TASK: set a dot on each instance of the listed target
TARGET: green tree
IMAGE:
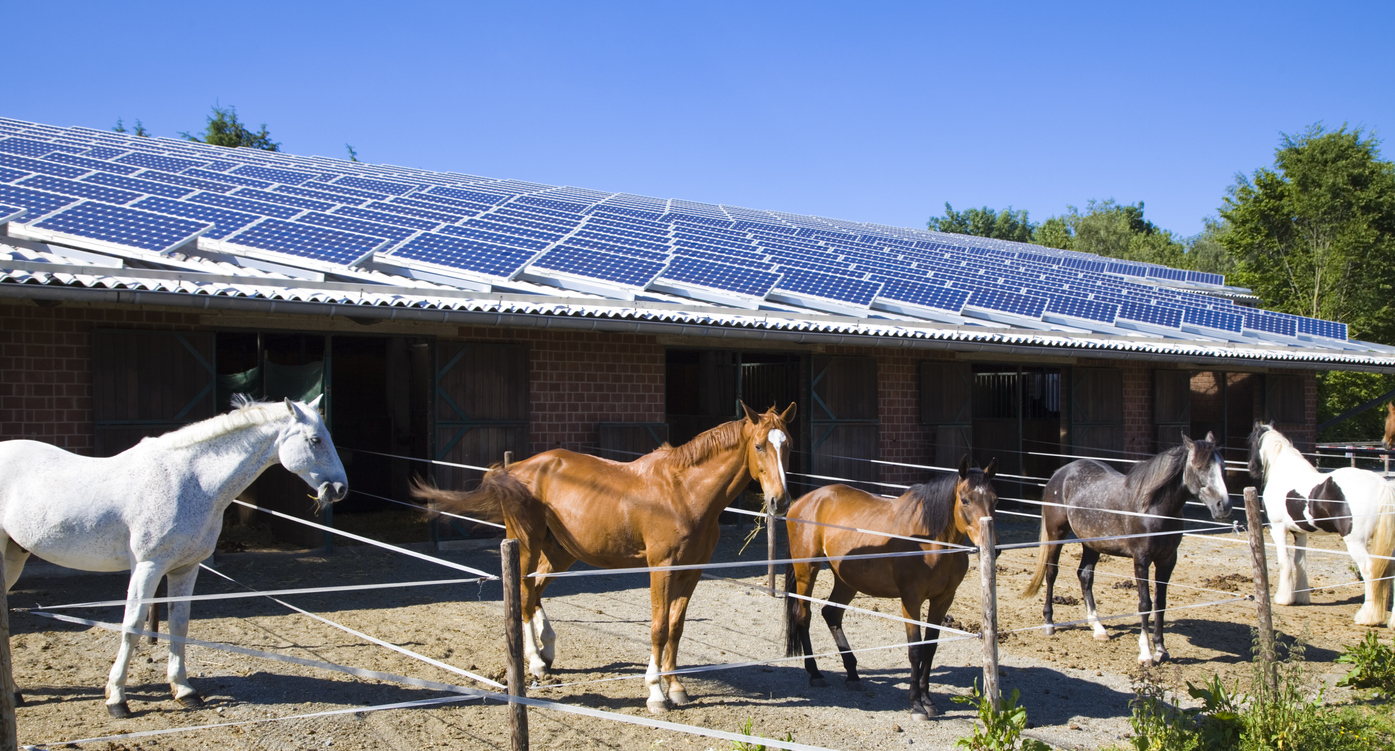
(1114, 230)
(224, 129)
(1053, 233)
(1315, 233)
(985, 222)
(137, 130)
(1206, 252)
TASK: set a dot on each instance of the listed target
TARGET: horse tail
(793, 646)
(485, 503)
(1043, 551)
(1382, 542)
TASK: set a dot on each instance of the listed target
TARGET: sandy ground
(1076, 689)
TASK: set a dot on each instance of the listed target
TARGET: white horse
(155, 509)
(1356, 504)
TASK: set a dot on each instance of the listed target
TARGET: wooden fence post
(9, 732)
(770, 545)
(988, 577)
(1254, 520)
(513, 633)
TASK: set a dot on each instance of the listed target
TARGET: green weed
(1372, 666)
(998, 728)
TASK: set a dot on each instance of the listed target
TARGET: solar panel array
(159, 195)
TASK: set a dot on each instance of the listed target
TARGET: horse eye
(759, 447)
(314, 439)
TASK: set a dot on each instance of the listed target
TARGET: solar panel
(378, 186)
(725, 258)
(268, 174)
(1159, 272)
(1205, 278)
(628, 239)
(924, 295)
(827, 286)
(103, 152)
(620, 249)
(219, 177)
(1090, 310)
(10, 175)
(260, 208)
(722, 276)
(90, 164)
(435, 217)
(159, 162)
(1213, 319)
(285, 200)
(11, 213)
(292, 190)
(457, 210)
(139, 186)
(306, 241)
(359, 226)
(386, 217)
(627, 223)
(1005, 301)
(1325, 329)
(79, 189)
(464, 254)
(476, 233)
(596, 264)
(186, 181)
(1260, 320)
(26, 146)
(1151, 314)
(39, 166)
(36, 202)
(351, 192)
(122, 225)
(452, 204)
(224, 222)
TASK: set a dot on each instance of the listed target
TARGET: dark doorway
(1017, 421)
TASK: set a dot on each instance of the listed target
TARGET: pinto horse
(941, 511)
(156, 509)
(658, 510)
(1144, 507)
(1355, 504)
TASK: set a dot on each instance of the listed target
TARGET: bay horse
(942, 511)
(1355, 504)
(1081, 498)
(658, 510)
(155, 509)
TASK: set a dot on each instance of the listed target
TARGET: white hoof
(1050, 630)
(537, 667)
(656, 707)
(1160, 657)
(678, 697)
(1101, 635)
(1368, 616)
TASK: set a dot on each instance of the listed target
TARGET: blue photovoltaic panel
(426, 215)
(380, 186)
(575, 208)
(1260, 320)
(1212, 318)
(244, 205)
(10, 213)
(475, 233)
(725, 258)
(103, 152)
(393, 217)
(36, 202)
(1006, 301)
(359, 226)
(81, 190)
(1129, 269)
(224, 222)
(27, 147)
(446, 204)
(454, 208)
(343, 191)
(305, 241)
(159, 162)
(140, 186)
(711, 238)
(186, 181)
(624, 250)
(269, 197)
(123, 225)
(1314, 327)
(272, 175)
(220, 166)
(39, 166)
(1090, 310)
(1158, 272)
(92, 164)
(1147, 313)
(924, 295)
(827, 286)
(465, 254)
(292, 190)
(465, 195)
(595, 264)
(625, 223)
(822, 268)
(719, 250)
(556, 220)
(628, 238)
(220, 177)
(1205, 278)
(10, 175)
(745, 281)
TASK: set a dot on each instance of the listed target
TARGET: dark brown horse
(941, 511)
(658, 510)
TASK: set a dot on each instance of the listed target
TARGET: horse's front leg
(1164, 574)
(1283, 595)
(1145, 608)
(181, 584)
(15, 557)
(659, 584)
(684, 582)
(1086, 573)
(1302, 595)
(916, 654)
(145, 575)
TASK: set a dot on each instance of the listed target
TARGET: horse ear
(788, 415)
(1210, 438)
(750, 416)
(290, 407)
(1391, 407)
(964, 467)
(314, 404)
(1189, 443)
(991, 469)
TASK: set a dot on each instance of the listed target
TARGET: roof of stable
(93, 210)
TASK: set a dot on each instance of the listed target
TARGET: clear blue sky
(861, 111)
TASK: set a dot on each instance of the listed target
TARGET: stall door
(946, 404)
(1172, 407)
(1097, 412)
(145, 383)
(843, 419)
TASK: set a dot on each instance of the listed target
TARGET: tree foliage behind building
(225, 129)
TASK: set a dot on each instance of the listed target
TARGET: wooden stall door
(843, 420)
(1097, 412)
(947, 405)
(145, 383)
(1172, 407)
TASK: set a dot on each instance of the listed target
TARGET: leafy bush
(1372, 665)
(1002, 726)
(745, 729)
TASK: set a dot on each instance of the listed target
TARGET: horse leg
(684, 582)
(1086, 573)
(919, 665)
(15, 557)
(833, 615)
(1301, 594)
(799, 580)
(530, 595)
(554, 558)
(1145, 608)
(659, 584)
(144, 576)
(1284, 594)
(1053, 560)
(938, 608)
(181, 584)
(1163, 569)
(1372, 612)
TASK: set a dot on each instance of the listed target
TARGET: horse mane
(931, 504)
(246, 413)
(1147, 477)
(704, 445)
(1256, 463)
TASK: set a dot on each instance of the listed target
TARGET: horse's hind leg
(15, 557)
(1053, 560)
(554, 558)
(1086, 573)
(1302, 595)
(833, 615)
(1372, 612)
(144, 576)
(1163, 575)
(1283, 594)
(181, 584)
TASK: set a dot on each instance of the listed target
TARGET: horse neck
(718, 478)
(229, 463)
(1168, 497)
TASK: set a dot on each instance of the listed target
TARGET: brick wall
(902, 437)
(1140, 436)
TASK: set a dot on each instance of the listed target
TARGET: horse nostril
(339, 488)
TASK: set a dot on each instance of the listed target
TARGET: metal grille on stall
(843, 419)
(145, 383)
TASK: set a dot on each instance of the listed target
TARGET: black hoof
(853, 685)
(191, 701)
(928, 708)
(119, 710)
(19, 699)
(818, 682)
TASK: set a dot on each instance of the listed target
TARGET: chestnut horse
(942, 511)
(658, 510)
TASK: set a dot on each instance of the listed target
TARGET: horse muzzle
(332, 492)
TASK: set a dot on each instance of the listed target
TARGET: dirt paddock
(1075, 689)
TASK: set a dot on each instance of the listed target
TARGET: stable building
(143, 281)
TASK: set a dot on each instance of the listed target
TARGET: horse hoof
(919, 715)
(1050, 630)
(818, 683)
(928, 708)
(656, 707)
(1101, 636)
(19, 699)
(191, 701)
(678, 697)
(119, 710)
(853, 685)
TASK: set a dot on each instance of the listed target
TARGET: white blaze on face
(777, 439)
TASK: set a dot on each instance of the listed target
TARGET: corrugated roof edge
(130, 287)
